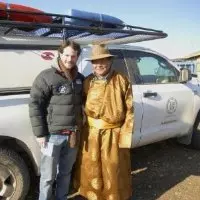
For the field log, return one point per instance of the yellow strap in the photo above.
(101, 124)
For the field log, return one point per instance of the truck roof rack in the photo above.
(63, 28)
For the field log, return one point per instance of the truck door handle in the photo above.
(150, 94)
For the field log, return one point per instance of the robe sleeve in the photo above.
(126, 131)
(86, 86)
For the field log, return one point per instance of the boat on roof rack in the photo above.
(80, 26)
(20, 17)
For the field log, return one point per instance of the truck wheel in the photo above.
(14, 176)
(196, 135)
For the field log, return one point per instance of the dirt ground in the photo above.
(166, 171)
(162, 171)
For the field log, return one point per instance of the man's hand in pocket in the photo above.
(42, 141)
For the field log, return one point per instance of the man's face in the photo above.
(69, 57)
(101, 67)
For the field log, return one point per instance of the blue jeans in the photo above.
(57, 167)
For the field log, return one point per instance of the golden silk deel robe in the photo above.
(103, 169)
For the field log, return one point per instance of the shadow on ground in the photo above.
(156, 169)
(159, 167)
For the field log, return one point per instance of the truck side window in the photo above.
(151, 69)
(118, 62)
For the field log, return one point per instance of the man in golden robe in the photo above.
(103, 170)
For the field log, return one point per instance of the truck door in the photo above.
(167, 105)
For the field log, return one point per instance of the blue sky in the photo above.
(178, 18)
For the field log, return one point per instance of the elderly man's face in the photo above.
(102, 66)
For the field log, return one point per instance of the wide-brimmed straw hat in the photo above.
(99, 51)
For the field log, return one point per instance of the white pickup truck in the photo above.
(166, 102)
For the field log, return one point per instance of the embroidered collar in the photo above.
(105, 78)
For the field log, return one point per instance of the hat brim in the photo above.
(100, 57)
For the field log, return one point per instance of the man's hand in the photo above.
(42, 141)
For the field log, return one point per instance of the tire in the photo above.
(196, 135)
(14, 176)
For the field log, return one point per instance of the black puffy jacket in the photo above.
(55, 102)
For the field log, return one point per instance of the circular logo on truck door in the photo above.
(47, 55)
(172, 105)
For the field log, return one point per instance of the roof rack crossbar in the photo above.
(57, 16)
(142, 28)
(75, 27)
(65, 27)
(8, 31)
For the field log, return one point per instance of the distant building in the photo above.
(181, 63)
(195, 57)
(191, 61)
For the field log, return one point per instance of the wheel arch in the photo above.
(197, 119)
(21, 148)
(188, 139)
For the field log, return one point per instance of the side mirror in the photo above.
(185, 75)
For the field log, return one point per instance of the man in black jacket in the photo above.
(56, 116)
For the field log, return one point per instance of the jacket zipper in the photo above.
(73, 99)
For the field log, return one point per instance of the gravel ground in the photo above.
(166, 171)
(162, 171)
